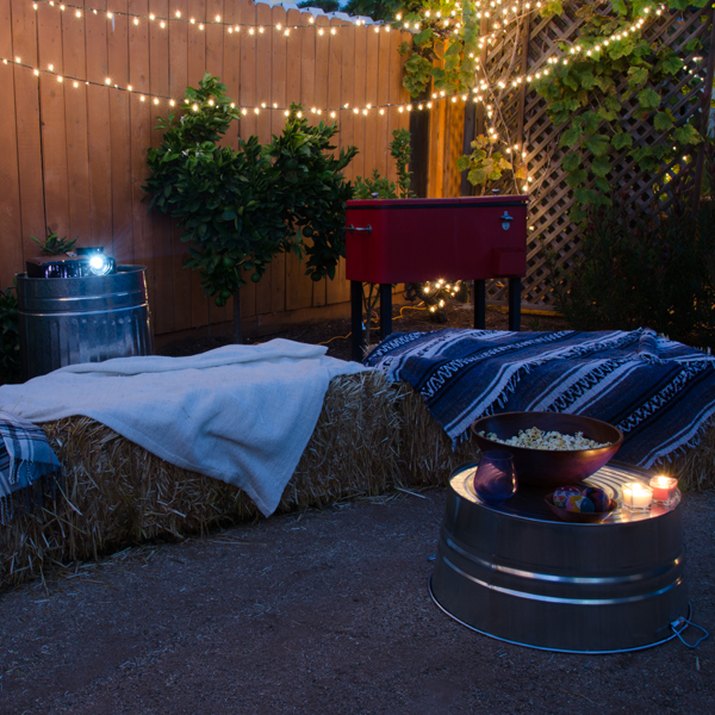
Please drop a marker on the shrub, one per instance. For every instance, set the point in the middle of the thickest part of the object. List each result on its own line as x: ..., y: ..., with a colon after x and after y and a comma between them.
x: 9, y: 337
x: 654, y: 270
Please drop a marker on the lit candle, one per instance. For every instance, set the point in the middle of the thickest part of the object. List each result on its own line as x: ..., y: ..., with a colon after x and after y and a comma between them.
x: 663, y: 487
x: 637, y: 495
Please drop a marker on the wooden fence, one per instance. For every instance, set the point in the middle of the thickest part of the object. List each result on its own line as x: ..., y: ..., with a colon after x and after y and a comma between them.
x: 73, y: 152
x: 73, y: 138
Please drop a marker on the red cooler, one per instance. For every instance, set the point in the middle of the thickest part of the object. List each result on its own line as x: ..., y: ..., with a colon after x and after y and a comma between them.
x: 413, y: 240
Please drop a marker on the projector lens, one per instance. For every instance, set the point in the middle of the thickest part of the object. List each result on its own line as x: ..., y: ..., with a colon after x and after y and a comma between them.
x: 99, y: 264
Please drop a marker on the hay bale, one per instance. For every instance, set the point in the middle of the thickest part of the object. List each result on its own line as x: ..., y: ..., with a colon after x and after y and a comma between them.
x: 117, y: 494
x: 371, y: 437
x: 427, y: 456
x: 694, y: 468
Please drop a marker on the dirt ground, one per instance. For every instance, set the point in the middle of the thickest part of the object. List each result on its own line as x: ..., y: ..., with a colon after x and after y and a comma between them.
x: 319, y: 612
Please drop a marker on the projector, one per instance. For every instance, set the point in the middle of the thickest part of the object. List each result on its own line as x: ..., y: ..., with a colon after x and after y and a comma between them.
x: 90, y: 261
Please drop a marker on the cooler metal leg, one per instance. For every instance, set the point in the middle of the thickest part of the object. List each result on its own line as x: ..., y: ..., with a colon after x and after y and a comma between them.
x: 358, y: 339
x: 385, y: 309
x: 515, y: 304
x: 480, y: 303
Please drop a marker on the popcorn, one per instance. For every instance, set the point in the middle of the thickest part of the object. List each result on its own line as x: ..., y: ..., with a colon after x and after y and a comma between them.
x: 535, y: 438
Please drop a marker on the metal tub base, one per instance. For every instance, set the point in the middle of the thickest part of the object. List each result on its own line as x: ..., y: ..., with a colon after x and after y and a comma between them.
x: 516, y: 573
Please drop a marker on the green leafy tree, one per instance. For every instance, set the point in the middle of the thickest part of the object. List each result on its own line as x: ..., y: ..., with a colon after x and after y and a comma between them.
x: 220, y: 198
x: 384, y: 10
x: 311, y: 190
x: 238, y: 208
x: 324, y: 5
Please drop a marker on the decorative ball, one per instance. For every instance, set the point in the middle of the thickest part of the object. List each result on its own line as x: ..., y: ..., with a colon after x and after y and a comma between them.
x: 582, y: 500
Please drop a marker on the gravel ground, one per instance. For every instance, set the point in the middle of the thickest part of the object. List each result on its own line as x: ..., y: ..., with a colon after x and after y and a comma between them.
x: 318, y: 612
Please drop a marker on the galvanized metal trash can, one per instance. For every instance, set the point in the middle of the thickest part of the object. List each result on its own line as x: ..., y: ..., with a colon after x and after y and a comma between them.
x: 65, y: 321
x: 517, y: 573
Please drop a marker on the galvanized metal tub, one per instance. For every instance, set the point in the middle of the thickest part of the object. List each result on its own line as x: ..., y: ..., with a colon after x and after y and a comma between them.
x: 517, y: 573
x: 64, y: 321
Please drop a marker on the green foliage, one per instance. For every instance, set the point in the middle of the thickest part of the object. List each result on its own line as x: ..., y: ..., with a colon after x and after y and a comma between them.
x: 324, y: 5
x: 238, y: 208
x: 378, y: 186
x: 443, y: 53
x: 311, y: 192
x: 401, y: 152
x: 588, y: 98
x: 651, y: 270
x: 54, y: 245
x: 376, y: 9
x: 489, y: 167
x: 375, y: 186
x: 9, y: 337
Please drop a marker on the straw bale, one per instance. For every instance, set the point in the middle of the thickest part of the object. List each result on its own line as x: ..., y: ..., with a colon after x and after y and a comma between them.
x: 117, y: 494
x: 371, y: 437
x: 694, y: 467
x: 428, y: 458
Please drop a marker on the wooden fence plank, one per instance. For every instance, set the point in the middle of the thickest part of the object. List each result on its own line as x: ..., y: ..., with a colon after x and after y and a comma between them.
x: 54, y: 147
x: 184, y: 280
x: 196, y: 68
x: 141, y: 138
x: 278, y: 96
x: 29, y: 132
x: 160, y: 227
x: 98, y: 144
x: 337, y: 290
x: 10, y: 213
x: 299, y: 290
x: 120, y: 136
x: 77, y: 130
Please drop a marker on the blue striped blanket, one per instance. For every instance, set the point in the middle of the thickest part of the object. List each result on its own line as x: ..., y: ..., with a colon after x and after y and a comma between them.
x: 660, y: 393
x: 26, y: 460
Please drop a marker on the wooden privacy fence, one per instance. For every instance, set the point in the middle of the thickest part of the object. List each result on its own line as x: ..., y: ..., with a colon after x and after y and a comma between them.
x: 74, y: 138
x: 74, y: 151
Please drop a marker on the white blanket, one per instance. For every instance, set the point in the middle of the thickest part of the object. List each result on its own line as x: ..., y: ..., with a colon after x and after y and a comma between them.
x: 240, y: 413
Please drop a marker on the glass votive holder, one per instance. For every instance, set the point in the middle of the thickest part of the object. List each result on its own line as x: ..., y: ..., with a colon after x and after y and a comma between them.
x: 637, y: 496
x: 664, y: 488
x: 495, y: 478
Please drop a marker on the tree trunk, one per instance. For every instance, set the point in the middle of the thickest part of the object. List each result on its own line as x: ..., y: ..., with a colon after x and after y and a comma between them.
x: 237, y: 337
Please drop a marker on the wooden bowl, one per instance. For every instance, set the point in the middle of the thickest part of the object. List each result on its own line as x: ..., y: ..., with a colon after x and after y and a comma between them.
x: 585, y: 517
x: 544, y: 467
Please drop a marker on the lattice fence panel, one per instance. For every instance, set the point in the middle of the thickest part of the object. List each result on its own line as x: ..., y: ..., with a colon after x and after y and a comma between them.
x: 553, y: 238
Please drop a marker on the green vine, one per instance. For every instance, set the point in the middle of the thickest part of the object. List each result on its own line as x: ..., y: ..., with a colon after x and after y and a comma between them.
x: 381, y: 186
x: 444, y: 50
x: 489, y: 166
x: 594, y: 97
x: 613, y: 78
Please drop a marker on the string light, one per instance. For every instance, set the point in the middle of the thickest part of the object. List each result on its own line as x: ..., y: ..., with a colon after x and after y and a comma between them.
x: 231, y: 28
x: 477, y: 93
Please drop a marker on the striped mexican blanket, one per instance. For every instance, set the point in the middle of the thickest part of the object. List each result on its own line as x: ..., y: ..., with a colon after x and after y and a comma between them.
x: 26, y: 460
x: 658, y: 392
